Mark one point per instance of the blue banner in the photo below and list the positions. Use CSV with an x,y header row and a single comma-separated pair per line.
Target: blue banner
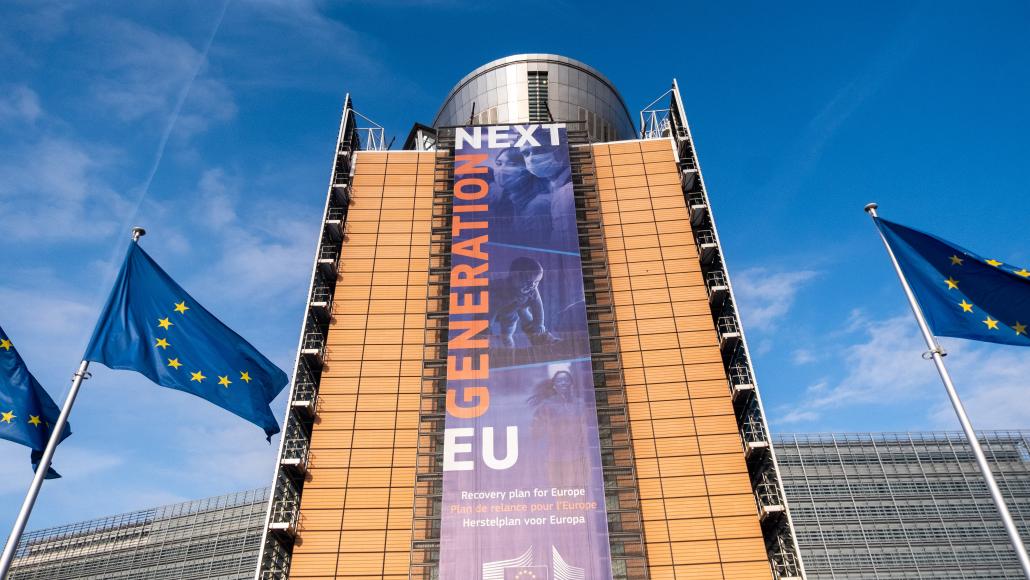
x,y
523,494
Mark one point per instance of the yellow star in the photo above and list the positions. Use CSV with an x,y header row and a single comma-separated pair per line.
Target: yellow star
x,y
7,417
5,344
991,323
994,263
224,381
163,343
174,363
952,284
1022,273
1019,328
181,307
955,261
197,376
966,307
245,376
164,323
34,420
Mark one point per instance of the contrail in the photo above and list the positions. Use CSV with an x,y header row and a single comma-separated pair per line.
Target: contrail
x,y
123,231
159,155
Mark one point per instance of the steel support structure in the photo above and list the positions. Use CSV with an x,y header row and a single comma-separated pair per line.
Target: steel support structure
x,y
283,513
666,118
625,523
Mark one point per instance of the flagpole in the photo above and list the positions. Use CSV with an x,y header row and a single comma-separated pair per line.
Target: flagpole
x,y
44,463
41,471
937,355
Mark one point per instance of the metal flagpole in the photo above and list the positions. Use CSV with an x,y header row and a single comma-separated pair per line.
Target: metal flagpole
x,y
937,354
44,463
41,471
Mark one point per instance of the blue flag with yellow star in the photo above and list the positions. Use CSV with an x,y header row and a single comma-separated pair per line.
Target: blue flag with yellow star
x,y
962,294
27,413
152,326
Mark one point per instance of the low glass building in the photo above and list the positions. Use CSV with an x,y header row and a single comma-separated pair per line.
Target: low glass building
x,y
865,506
904,505
212,539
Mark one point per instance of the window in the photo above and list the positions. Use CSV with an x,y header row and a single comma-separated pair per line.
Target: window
x,y
538,112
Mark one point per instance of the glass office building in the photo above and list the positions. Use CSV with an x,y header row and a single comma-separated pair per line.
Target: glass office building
x,y
690,482
904,505
865,506
212,539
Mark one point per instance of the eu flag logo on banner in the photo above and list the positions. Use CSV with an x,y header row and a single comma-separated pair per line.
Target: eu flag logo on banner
x,y
961,293
152,326
27,413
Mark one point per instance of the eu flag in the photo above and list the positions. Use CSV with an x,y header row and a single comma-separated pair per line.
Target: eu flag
x,y
27,413
961,293
152,326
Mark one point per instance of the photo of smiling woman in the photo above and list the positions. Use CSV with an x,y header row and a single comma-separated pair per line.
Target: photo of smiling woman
x,y
557,407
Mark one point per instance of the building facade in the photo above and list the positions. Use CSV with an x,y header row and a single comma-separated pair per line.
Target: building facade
x,y
217,538
690,481
904,505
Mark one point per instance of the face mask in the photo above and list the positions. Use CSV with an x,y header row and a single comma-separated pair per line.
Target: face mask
x,y
511,176
543,165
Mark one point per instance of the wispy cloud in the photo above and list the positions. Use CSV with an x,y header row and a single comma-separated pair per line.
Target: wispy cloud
x,y
56,187
19,104
882,367
145,73
993,382
264,248
75,464
765,296
803,356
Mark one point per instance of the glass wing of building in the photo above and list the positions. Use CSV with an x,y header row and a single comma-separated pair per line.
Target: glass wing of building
x,y
211,539
865,506
904,505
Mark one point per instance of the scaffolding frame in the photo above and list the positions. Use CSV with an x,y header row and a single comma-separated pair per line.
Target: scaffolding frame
x,y
625,522
666,118
283,511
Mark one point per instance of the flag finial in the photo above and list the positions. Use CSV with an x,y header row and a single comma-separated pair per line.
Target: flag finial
x,y
137,233
870,208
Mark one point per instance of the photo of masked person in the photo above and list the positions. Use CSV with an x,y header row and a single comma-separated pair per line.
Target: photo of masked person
x,y
524,200
551,163
517,304
557,428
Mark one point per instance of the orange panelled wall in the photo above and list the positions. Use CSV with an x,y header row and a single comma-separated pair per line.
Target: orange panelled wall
x,y
356,511
700,517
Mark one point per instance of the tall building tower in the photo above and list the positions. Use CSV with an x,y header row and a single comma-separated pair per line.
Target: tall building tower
x,y
521,356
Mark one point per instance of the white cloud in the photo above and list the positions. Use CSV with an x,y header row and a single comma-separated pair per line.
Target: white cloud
x,y
885,369
231,454
75,464
19,104
265,249
765,296
993,382
796,416
803,356
144,73
54,188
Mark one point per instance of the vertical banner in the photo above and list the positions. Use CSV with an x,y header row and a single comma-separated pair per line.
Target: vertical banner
x,y
523,494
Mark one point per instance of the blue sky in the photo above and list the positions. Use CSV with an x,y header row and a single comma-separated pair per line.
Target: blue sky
x,y
802,113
